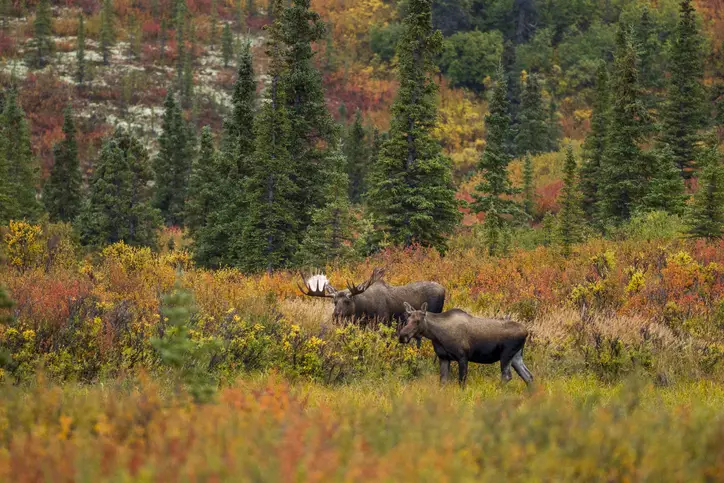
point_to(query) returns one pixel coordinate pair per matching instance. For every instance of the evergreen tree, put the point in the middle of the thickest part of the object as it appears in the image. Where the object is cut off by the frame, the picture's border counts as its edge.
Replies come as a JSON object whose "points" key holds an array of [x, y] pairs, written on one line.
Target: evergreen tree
{"points": [[227, 45], [80, 52], [135, 40], [187, 86], [269, 239], [329, 237], [528, 186], [512, 79], [594, 147], [649, 48], [492, 195], [20, 172], [554, 125], [358, 158], [172, 164], [118, 206], [313, 130], [624, 171], [238, 141], [107, 33], [571, 214], [180, 50], [411, 195], [204, 183], [42, 44], [706, 216], [62, 191], [684, 111], [533, 119], [666, 190]]}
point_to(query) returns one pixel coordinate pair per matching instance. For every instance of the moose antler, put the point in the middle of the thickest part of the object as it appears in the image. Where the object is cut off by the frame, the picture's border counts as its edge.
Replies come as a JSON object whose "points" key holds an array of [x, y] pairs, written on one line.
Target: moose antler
{"points": [[377, 275], [317, 285]]}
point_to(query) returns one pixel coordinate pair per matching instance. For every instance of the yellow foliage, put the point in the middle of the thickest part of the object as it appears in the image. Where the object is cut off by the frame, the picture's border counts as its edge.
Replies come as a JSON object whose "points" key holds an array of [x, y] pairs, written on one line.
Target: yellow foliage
{"points": [[23, 245]]}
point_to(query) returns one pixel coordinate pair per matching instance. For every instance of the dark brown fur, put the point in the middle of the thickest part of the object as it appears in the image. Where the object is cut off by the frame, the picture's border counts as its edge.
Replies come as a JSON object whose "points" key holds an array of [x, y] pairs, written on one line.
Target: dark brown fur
{"points": [[458, 336]]}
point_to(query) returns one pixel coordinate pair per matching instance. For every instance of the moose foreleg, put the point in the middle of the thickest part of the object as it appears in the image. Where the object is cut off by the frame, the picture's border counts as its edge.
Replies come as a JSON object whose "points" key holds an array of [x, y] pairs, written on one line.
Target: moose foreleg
{"points": [[462, 372], [444, 370]]}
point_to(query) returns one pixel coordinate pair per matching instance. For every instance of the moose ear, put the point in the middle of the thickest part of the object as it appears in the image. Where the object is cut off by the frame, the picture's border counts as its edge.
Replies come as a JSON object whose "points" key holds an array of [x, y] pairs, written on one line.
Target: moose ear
{"points": [[424, 307], [408, 308]]}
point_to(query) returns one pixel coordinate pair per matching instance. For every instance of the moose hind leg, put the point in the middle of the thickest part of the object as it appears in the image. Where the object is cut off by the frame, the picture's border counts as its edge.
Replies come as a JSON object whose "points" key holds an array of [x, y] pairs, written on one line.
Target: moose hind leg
{"points": [[520, 367], [463, 371], [505, 374]]}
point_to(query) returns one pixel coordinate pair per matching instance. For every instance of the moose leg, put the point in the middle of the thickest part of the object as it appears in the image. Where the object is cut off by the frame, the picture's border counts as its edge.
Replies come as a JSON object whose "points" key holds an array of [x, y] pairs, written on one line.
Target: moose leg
{"points": [[444, 371], [520, 368], [505, 374], [462, 371]]}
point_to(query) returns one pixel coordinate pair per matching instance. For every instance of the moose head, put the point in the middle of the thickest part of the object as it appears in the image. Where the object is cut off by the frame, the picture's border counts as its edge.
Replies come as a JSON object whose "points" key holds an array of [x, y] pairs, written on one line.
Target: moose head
{"points": [[344, 300], [415, 323]]}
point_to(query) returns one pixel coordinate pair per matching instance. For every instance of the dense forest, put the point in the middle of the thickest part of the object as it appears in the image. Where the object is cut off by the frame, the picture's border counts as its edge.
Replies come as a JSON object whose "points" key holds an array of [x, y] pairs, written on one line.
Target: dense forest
{"points": [[327, 136]]}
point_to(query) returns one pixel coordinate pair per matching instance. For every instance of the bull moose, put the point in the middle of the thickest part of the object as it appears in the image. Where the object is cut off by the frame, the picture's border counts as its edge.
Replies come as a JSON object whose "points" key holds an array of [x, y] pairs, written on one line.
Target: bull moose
{"points": [[458, 336], [374, 299]]}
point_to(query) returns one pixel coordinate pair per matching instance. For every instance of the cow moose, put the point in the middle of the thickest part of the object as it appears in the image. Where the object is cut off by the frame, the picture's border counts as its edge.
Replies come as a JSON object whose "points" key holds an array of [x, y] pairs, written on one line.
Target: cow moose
{"points": [[374, 299], [458, 336]]}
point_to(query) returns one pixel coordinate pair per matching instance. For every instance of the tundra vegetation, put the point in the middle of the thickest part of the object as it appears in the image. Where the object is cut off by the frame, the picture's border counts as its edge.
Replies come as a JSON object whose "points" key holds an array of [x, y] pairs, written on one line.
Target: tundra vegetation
{"points": [[167, 168]]}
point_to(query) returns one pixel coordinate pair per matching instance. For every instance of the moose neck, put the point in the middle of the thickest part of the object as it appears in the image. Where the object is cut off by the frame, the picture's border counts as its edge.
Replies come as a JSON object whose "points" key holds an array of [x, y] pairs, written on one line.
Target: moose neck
{"points": [[430, 327]]}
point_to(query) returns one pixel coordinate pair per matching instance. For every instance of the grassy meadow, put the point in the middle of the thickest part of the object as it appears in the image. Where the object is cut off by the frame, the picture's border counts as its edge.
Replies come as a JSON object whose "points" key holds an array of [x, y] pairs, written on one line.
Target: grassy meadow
{"points": [[627, 342]]}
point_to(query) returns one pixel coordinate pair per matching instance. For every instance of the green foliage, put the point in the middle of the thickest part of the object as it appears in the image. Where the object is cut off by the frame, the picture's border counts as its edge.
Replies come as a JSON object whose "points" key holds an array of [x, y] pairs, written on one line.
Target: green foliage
{"points": [[624, 171], [329, 237], [359, 159], [384, 40], [204, 185], [684, 113], [706, 216], [666, 189], [528, 186], [213, 24], [652, 225], [62, 191], [238, 139], [411, 195], [80, 69], [492, 195], [107, 33], [312, 130], [18, 169], [187, 82], [571, 214], [227, 45], [42, 45], [118, 207], [187, 359], [467, 58], [533, 128], [172, 164], [269, 238], [594, 147]]}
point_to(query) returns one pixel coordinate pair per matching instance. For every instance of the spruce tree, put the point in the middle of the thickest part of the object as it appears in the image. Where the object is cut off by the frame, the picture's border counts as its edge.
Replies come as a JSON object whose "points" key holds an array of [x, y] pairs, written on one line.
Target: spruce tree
{"points": [[21, 170], [528, 186], [571, 215], [227, 45], [204, 195], [533, 129], [594, 147], [411, 195], [684, 110], [358, 158], [269, 239], [172, 164], [666, 190], [492, 195], [162, 39], [624, 171], [313, 130], [80, 52], [187, 85], [329, 236], [62, 191], [180, 50], [512, 79], [42, 44], [118, 206], [107, 33], [706, 215], [238, 140], [554, 125]]}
